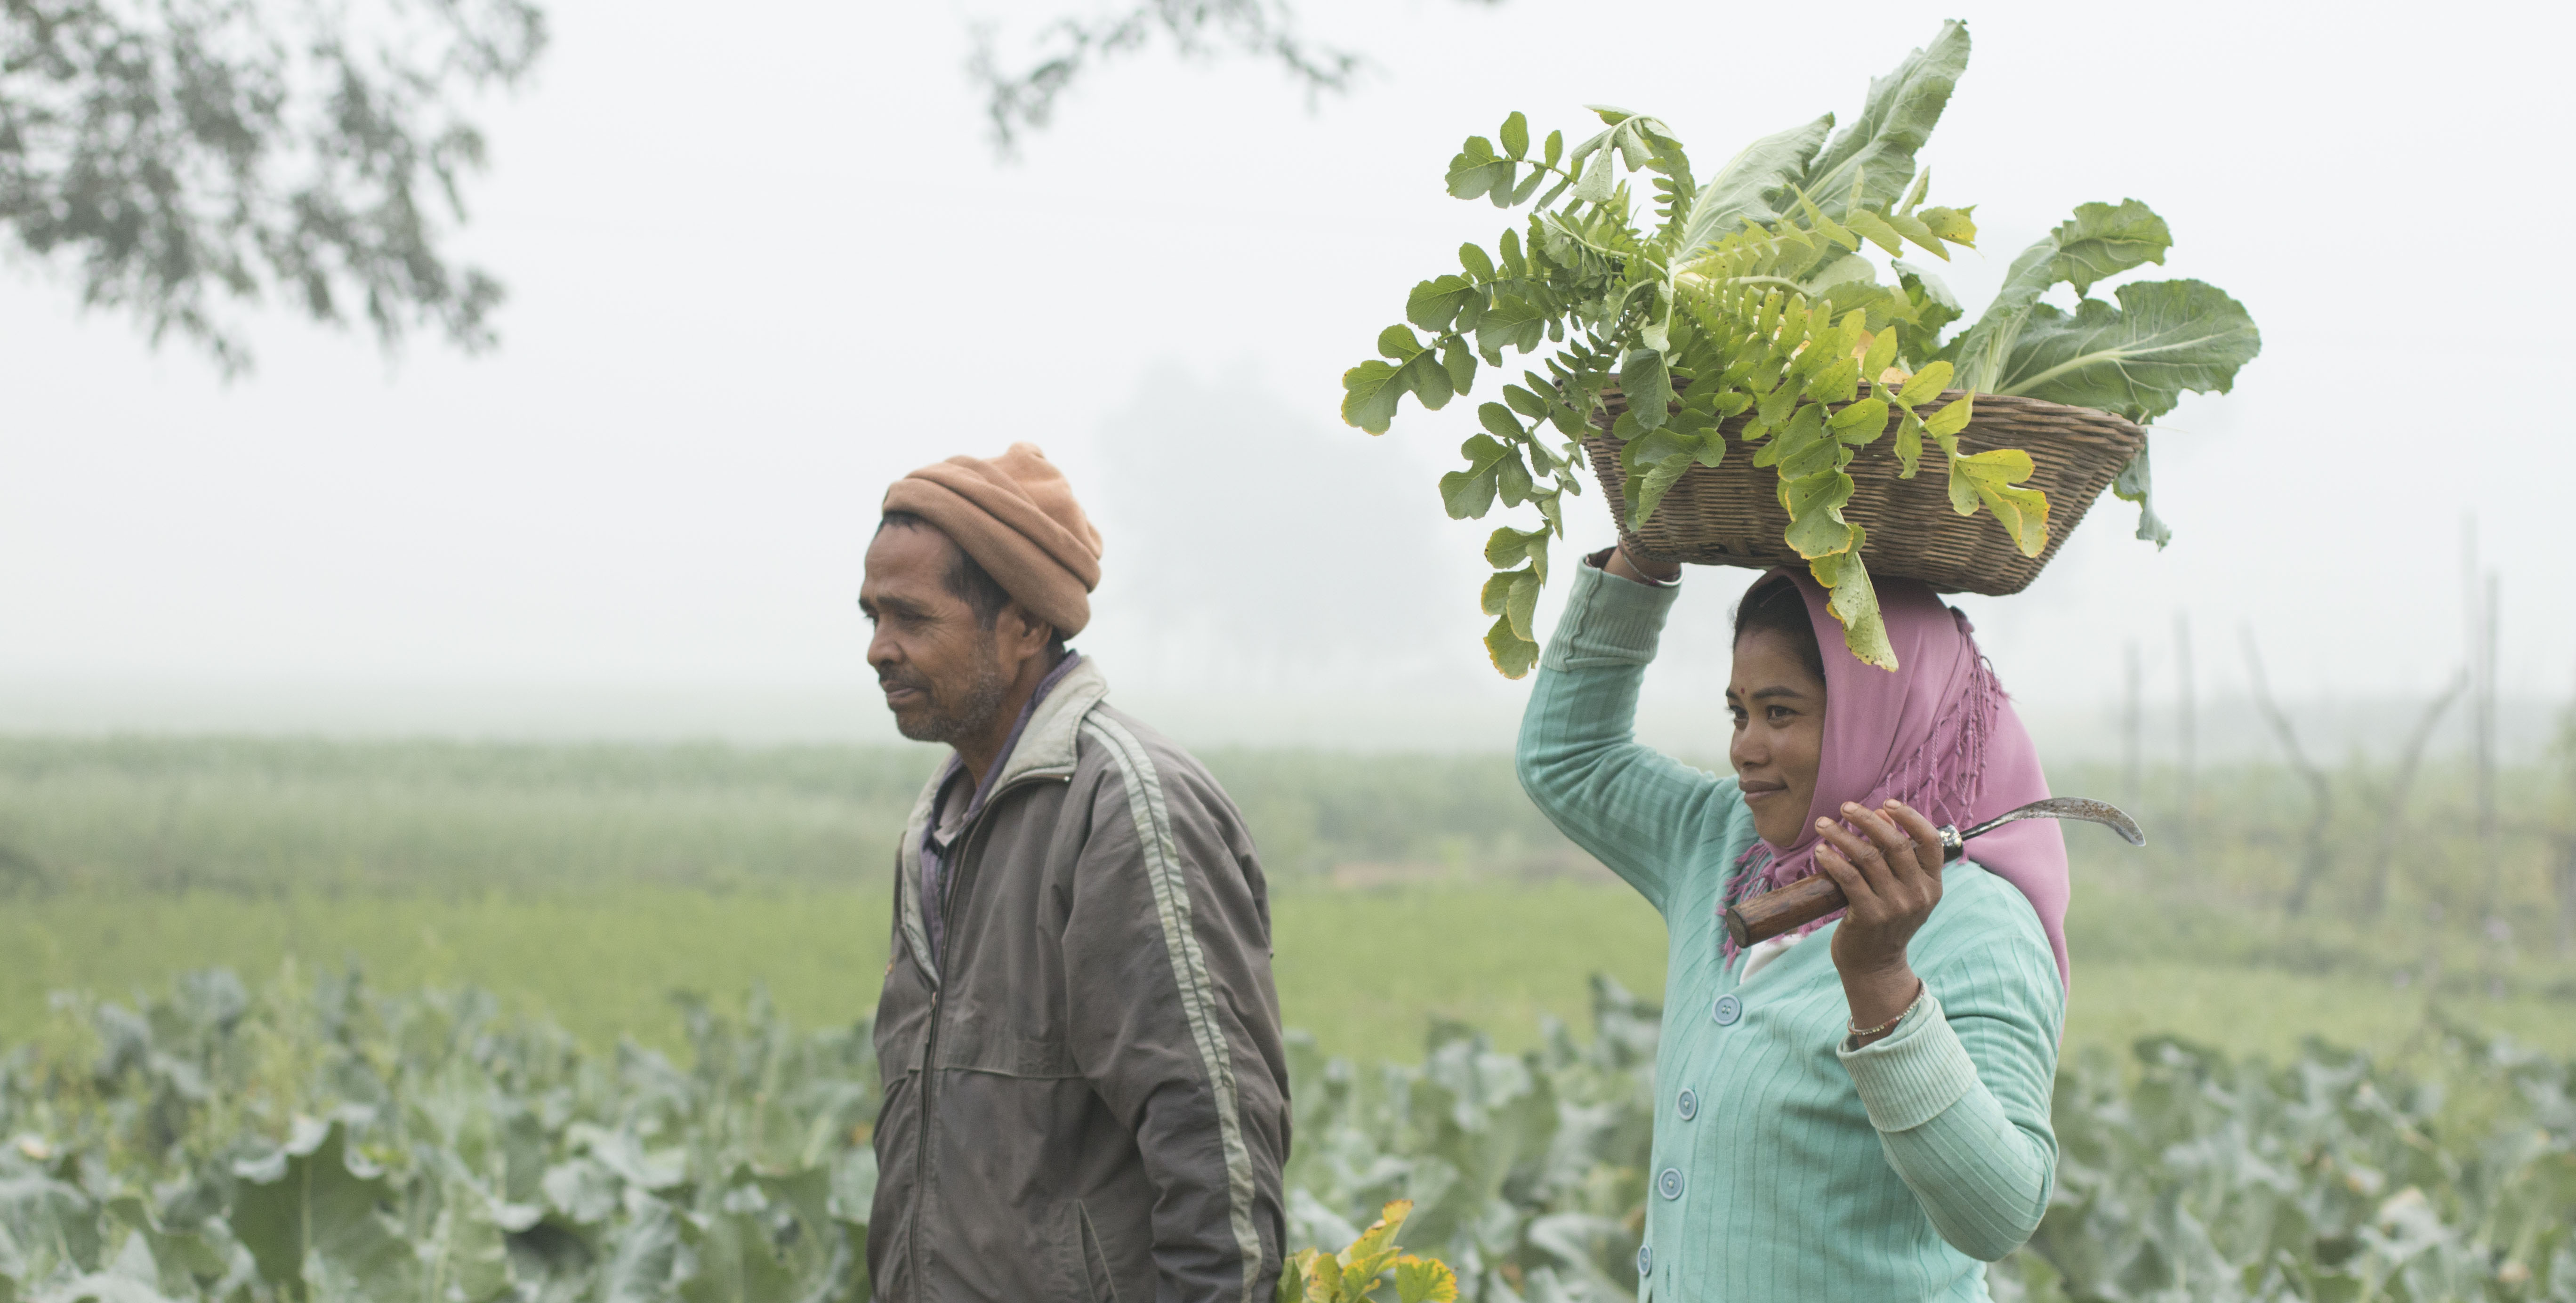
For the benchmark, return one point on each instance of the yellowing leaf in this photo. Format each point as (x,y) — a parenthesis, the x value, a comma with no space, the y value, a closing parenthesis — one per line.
(1375,1248)
(1854,601)
(1963,489)
(1881,355)
(1952,418)
(1998,466)
(1424,1280)
(2024,513)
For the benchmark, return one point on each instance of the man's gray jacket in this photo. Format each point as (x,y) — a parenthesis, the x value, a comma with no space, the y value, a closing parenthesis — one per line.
(1085,1095)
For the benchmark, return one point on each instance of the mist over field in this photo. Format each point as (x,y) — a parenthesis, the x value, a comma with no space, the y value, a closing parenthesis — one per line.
(448,826)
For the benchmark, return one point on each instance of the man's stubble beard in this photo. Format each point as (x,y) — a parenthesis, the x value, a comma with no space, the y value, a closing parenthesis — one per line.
(975,710)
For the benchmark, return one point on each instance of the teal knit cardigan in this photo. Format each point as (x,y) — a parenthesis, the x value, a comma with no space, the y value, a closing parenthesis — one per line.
(1785,1165)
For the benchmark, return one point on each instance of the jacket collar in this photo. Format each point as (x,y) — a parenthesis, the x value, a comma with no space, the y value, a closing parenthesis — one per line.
(1046,746)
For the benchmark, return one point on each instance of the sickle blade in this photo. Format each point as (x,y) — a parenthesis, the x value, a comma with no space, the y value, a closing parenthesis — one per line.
(2069,807)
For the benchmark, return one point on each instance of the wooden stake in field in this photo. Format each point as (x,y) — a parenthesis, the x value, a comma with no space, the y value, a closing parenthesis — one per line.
(2187,733)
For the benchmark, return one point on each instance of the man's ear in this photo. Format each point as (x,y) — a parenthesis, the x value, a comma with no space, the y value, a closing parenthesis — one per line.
(1026,634)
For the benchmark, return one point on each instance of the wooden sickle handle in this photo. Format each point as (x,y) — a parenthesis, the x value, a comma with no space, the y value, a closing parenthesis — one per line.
(1763,917)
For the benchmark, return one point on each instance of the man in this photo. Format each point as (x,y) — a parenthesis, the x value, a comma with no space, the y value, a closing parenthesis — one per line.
(1086,1095)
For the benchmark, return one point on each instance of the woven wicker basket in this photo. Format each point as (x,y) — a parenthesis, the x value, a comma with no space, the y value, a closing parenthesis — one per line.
(1731,516)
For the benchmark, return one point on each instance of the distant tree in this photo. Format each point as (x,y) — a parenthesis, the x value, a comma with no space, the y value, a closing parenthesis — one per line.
(189,154)
(1022,99)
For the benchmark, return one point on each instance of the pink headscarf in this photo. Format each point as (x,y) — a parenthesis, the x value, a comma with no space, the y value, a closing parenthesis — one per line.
(1937,734)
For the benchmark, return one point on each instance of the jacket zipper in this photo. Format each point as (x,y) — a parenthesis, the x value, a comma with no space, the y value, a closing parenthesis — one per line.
(939,993)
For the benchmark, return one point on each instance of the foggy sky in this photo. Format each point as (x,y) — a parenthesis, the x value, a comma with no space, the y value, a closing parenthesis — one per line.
(762,260)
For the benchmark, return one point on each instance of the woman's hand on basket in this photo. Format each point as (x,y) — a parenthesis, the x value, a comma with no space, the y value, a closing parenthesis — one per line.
(1890,871)
(1620,563)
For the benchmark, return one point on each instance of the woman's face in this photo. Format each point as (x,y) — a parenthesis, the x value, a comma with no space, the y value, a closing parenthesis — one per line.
(1779,710)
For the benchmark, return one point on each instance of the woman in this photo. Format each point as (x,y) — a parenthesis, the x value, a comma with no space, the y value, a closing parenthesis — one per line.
(1860,1112)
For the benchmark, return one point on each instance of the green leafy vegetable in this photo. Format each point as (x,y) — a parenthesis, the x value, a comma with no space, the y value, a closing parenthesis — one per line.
(1758,297)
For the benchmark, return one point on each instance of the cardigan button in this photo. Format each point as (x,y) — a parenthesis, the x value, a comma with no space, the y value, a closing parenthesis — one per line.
(1726,1010)
(1669,1185)
(1687,1105)
(1645,1259)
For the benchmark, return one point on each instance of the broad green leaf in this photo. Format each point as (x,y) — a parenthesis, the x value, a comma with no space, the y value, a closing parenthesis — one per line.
(1555,148)
(1512,322)
(1909,444)
(1458,362)
(1755,183)
(1479,267)
(2098,241)
(1434,303)
(1512,480)
(1646,491)
(1525,402)
(1520,607)
(1475,170)
(1398,343)
(1982,350)
(1515,135)
(1876,152)
(1925,385)
(1815,503)
(1497,591)
(2101,241)
(1934,308)
(2138,358)
(1513,655)
(2136,484)
(1861,422)
(1497,419)
(1468,494)
(1802,447)
(307,1205)
(1431,380)
(1594,187)
(1369,395)
(1838,382)
(1648,386)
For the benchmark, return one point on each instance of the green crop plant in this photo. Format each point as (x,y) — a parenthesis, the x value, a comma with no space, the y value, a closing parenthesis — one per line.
(317,1140)
(1753,299)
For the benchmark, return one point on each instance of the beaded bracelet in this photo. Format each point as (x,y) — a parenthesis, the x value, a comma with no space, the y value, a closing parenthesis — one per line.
(1920,990)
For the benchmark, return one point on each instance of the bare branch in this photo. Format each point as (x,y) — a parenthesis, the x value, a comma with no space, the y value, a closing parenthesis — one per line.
(2393,818)
(2313,861)
(1024,100)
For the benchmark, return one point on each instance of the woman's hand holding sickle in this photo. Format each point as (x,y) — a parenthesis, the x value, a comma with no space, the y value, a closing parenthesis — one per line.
(1890,872)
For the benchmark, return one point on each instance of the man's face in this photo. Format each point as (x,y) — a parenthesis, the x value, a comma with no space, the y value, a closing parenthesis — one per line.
(941,671)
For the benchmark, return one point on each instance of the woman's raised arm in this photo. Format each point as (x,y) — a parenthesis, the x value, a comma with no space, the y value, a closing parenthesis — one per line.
(1628,804)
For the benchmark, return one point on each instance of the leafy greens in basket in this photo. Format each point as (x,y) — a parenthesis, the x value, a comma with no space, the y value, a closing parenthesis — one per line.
(1752,296)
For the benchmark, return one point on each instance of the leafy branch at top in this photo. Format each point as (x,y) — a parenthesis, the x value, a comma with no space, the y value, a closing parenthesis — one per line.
(1754,299)
(196,151)
(1021,100)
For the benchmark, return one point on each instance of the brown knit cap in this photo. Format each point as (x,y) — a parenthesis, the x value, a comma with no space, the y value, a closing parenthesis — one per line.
(1016,516)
